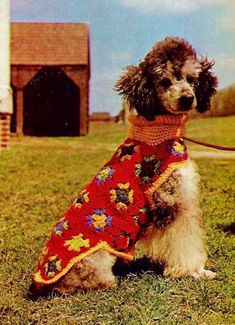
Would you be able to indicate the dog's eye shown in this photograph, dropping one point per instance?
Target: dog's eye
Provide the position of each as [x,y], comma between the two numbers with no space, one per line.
[165,83]
[189,79]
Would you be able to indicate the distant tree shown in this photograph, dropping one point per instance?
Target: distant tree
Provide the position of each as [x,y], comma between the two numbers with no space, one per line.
[223,103]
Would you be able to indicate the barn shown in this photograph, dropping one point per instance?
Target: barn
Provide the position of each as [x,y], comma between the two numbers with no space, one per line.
[50,71]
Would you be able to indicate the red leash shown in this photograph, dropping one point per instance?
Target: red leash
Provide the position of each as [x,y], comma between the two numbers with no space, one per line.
[215,146]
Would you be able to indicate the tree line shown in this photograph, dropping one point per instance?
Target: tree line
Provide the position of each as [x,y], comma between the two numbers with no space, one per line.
[223,103]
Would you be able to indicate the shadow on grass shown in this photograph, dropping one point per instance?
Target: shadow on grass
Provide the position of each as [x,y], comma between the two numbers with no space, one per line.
[121,268]
[228,229]
[139,266]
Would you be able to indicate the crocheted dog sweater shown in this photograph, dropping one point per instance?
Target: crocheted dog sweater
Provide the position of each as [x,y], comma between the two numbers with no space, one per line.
[111,212]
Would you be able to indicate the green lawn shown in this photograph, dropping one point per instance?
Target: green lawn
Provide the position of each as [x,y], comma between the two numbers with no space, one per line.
[40,178]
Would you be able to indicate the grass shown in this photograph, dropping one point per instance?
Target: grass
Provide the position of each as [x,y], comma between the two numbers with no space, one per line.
[39,179]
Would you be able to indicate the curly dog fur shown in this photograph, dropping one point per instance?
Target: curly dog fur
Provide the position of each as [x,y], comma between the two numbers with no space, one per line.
[170,80]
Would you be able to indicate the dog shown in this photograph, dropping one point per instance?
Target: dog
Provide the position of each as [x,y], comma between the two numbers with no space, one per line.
[148,192]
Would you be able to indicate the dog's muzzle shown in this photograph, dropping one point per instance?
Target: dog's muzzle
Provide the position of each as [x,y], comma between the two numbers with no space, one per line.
[186,102]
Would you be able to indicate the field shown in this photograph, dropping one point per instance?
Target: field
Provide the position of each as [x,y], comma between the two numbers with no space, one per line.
[40,178]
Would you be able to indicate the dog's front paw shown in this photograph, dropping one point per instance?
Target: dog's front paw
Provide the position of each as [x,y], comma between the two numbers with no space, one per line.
[203,274]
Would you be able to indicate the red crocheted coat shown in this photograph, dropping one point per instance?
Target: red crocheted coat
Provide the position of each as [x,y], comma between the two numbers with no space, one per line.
[110,213]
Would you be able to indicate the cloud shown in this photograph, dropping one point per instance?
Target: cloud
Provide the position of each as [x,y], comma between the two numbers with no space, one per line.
[173,6]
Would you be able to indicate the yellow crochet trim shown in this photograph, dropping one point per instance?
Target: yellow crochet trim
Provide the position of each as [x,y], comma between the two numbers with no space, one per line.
[162,128]
[101,245]
[164,176]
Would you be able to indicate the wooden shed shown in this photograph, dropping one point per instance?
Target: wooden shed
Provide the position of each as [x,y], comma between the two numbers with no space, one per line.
[50,71]
[100,117]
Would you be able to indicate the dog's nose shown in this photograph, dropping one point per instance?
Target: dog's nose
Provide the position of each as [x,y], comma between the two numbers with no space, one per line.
[186,102]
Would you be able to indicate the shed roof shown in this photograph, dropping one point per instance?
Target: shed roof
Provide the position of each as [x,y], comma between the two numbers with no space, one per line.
[100,116]
[49,43]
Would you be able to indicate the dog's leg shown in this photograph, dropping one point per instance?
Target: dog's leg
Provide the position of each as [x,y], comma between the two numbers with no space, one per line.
[186,254]
[180,245]
[203,274]
[92,273]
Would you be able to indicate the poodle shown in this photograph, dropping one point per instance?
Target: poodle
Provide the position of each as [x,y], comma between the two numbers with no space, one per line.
[147,194]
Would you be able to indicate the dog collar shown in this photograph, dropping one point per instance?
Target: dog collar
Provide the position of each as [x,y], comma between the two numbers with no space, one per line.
[162,128]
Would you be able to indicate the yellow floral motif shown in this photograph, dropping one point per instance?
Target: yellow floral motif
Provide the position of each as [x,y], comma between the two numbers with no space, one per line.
[127,151]
[76,243]
[121,206]
[99,220]
[82,198]
[124,186]
[104,173]
[61,226]
[122,195]
[53,265]
[113,195]
[178,147]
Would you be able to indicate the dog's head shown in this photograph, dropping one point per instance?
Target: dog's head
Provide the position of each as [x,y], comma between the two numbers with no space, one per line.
[170,80]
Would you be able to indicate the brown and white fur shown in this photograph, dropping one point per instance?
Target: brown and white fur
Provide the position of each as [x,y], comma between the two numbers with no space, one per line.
[170,80]
[181,245]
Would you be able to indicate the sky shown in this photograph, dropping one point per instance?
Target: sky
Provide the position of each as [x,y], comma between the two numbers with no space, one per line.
[123,31]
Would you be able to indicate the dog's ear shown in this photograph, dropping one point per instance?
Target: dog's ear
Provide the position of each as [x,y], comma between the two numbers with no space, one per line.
[206,86]
[136,86]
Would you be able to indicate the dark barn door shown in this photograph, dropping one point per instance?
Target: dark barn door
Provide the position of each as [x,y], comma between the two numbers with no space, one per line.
[13,116]
[51,104]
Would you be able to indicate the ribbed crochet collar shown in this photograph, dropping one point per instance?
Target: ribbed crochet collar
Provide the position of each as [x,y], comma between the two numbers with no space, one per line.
[162,128]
